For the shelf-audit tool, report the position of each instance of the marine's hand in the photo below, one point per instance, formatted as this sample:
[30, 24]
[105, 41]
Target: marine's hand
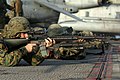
[30, 46]
[49, 42]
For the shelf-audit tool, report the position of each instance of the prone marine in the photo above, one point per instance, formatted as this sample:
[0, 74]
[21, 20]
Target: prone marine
[30, 53]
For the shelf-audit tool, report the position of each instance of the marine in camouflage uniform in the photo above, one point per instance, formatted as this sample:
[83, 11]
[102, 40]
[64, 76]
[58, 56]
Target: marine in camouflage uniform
[63, 52]
[3, 7]
[15, 25]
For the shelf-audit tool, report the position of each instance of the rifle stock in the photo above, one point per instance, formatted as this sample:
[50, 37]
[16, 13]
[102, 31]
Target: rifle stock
[12, 44]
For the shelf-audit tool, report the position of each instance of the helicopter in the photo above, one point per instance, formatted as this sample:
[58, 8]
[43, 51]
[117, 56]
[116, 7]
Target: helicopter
[48, 11]
[69, 13]
[105, 19]
[98, 16]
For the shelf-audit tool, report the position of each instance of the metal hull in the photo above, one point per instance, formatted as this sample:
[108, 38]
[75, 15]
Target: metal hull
[37, 13]
[94, 26]
[101, 19]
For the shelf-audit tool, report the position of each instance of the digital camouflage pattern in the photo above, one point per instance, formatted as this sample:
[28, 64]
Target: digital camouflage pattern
[56, 29]
[18, 24]
[66, 53]
[96, 43]
[14, 26]
[62, 52]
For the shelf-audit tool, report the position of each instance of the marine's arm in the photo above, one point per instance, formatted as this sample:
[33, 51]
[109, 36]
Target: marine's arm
[12, 58]
[38, 52]
[33, 56]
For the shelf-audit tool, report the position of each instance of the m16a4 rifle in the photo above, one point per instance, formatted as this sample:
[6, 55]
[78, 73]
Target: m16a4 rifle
[74, 42]
[67, 41]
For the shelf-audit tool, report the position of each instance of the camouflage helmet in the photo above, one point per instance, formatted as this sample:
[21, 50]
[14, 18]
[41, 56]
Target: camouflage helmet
[16, 25]
[56, 29]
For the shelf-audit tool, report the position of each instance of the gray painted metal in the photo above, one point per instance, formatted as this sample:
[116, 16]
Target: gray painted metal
[49, 11]
[82, 4]
[39, 12]
[93, 25]
[100, 19]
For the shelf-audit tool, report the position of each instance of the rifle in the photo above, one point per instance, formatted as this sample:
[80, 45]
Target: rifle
[13, 44]
[61, 41]
[39, 36]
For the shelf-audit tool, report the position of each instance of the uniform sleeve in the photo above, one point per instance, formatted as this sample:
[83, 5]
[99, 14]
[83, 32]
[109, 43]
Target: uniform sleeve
[34, 58]
[65, 52]
[10, 59]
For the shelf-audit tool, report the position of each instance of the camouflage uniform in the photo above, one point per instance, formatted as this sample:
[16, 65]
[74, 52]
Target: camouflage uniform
[66, 53]
[62, 52]
[18, 24]
[3, 7]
